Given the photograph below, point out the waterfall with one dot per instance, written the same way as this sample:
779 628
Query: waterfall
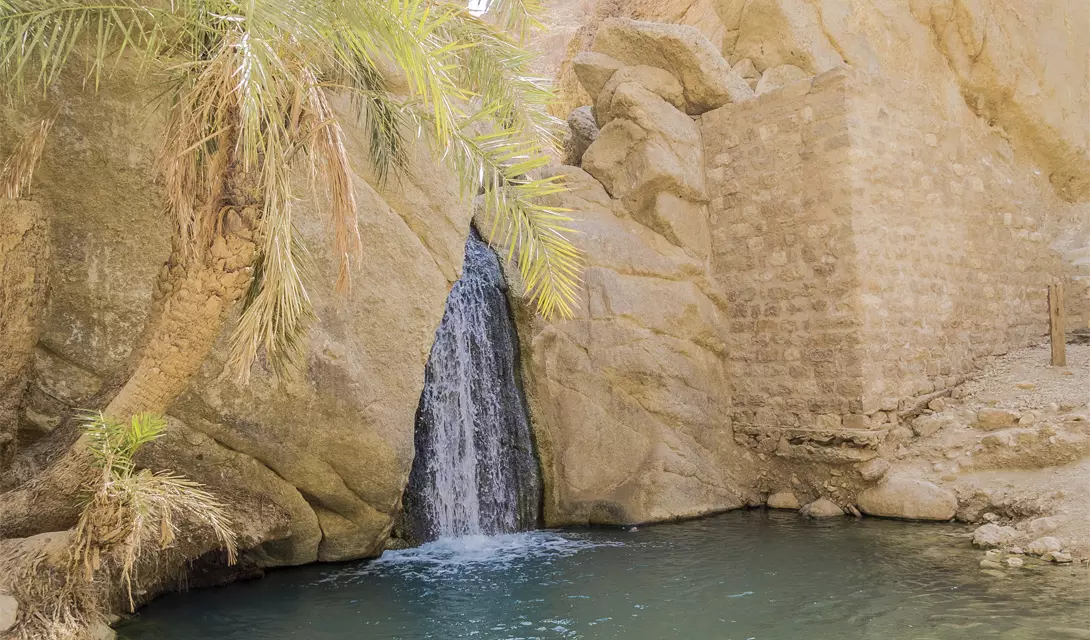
475 471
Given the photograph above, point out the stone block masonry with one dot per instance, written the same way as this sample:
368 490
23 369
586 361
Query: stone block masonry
872 253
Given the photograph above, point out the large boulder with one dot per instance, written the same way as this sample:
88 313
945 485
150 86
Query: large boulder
708 80
331 445
629 398
655 80
648 147
908 499
594 70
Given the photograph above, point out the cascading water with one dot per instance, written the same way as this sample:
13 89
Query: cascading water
475 471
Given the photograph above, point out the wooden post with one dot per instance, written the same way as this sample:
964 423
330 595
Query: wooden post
1056 324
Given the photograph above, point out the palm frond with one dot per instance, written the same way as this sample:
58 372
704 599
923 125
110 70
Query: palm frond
18 172
38 38
533 234
131 514
516 16
249 90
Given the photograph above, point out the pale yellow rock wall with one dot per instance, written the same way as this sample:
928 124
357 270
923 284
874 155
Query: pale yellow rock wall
630 398
1023 67
332 446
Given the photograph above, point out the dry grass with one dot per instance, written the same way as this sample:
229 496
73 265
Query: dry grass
19 168
131 517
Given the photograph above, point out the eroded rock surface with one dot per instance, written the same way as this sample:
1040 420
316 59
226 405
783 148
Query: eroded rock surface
332 446
628 398
1000 60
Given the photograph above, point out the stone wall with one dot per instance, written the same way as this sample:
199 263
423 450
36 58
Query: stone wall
954 240
872 251
783 249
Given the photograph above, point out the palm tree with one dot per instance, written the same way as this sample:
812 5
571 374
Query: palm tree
247 87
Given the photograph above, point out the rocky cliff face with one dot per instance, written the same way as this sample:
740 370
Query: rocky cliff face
316 462
739 303
1021 68
856 248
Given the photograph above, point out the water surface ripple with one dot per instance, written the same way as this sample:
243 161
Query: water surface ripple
747 575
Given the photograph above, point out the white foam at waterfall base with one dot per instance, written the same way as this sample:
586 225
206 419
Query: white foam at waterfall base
446 557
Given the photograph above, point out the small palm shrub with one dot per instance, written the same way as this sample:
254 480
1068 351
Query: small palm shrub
131 513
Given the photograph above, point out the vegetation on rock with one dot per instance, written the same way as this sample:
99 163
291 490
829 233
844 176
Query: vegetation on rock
128 516
256 95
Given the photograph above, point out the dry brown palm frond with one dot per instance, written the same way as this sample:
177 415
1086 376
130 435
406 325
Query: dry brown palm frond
329 160
133 514
249 86
18 172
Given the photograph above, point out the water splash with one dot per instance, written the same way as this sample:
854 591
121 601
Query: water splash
475 471
470 556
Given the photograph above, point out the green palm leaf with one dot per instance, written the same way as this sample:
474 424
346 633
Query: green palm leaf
248 84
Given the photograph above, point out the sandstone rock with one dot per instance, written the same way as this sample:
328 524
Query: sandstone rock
1058 557
708 80
748 72
680 221
783 500
649 148
908 499
994 419
594 70
992 535
900 434
346 445
926 426
822 508
1041 526
9 612
875 469
780 76
1041 546
938 405
1028 419
655 80
1028 386
857 421
101 631
583 131
997 440
782 32
642 361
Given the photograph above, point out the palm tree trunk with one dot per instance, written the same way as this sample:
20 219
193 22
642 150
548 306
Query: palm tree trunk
193 299
24 268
